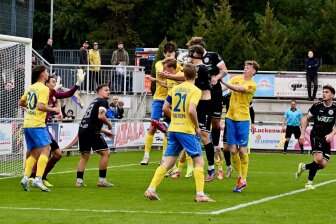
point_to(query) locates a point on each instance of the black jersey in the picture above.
(90, 121)
(203, 78)
(324, 119)
(212, 60)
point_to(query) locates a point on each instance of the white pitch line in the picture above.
(103, 211)
(172, 212)
(73, 171)
(268, 199)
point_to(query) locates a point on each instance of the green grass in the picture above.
(269, 175)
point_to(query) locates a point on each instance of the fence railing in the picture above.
(120, 79)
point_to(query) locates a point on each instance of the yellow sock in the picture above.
(164, 145)
(158, 177)
(41, 165)
(189, 160)
(30, 163)
(180, 166)
(220, 163)
(236, 163)
(244, 165)
(199, 178)
(148, 142)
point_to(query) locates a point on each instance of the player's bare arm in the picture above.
(304, 125)
(193, 117)
(166, 109)
(103, 118)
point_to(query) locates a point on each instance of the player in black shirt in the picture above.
(324, 114)
(204, 113)
(218, 70)
(89, 136)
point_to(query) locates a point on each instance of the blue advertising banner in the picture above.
(265, 85)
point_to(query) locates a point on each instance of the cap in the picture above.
(95, 43)
(86, 42)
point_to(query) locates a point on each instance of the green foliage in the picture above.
(271, 43)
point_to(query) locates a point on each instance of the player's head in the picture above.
(103, 91)
(196, 51)
(169, 65)
(40, 74)
(328, 92)
(196, 41)
(51, 82)
(169, 50)
(251, 67)
(189, 71)
(293, 104)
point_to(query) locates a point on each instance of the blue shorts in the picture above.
(157, 109)
(178, 141)
(237, 132)
(36, 137)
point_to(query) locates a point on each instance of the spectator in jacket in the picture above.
(48, 52)
(119, 54)
(119, 113)
(83, 54)
(311, 66)
(95, 59)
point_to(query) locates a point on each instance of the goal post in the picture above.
(15, 77)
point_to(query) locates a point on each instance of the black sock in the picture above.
(313, 168)
(102, 173)
(285, 146)
(80, 174)
(227, 157)
(215, 136)
(210, 153)
(301, 147)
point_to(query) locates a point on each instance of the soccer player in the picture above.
(324, 114)
(204, 114)
(89, 136)
(238, 120)
(292, 119)
(53, 96)
(36, 134)
(169, 51)
(183, 100)
(218, 70)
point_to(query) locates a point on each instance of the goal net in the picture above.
(15, 73)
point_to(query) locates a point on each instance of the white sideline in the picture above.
(217, 212)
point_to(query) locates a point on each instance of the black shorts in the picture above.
(204, 115)
(53, 145)
(293, 130)
(89, 140)
(216, 104)
(320, 145)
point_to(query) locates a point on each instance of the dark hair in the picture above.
(100, 87)
(196, 40)
(37, 71)
(112, 104)
(169, 47)
(70, 111)
(50, 77)
(293, 101)
(330, 88)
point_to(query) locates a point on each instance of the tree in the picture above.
(271, 44)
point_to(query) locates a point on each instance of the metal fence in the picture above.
(16, 17)
(120, 79)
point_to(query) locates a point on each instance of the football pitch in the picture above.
(272, 195)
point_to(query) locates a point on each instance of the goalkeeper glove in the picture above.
(80, 77)
(58, 83)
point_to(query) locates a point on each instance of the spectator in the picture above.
(311, 66)
(121, 53)
(34, 63)
(83, 54)
(48, 52)
(115, 99)
(8, 102)
(120, 110)
(120, 76)
(69, 116)
(94, 59)
(84, 59)
(110, 113)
